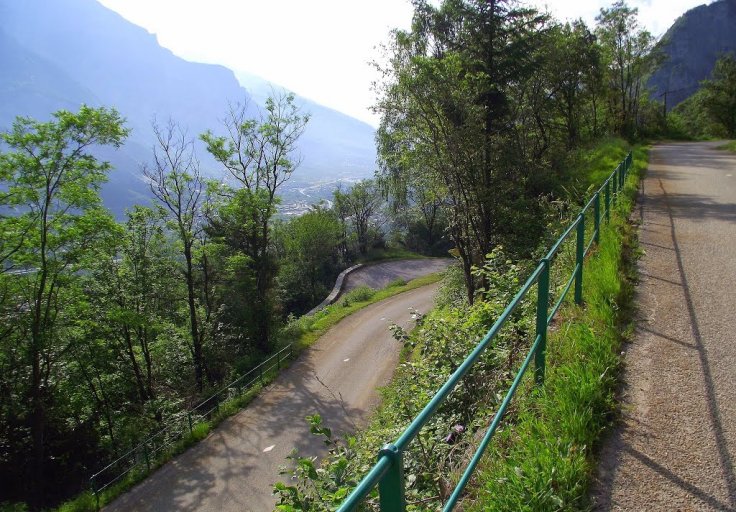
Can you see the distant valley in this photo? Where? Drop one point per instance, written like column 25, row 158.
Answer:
column 58, row 55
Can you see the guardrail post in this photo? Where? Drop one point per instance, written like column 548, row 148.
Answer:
column 579, row 257
column 278, row 360
column 597, row 217
column 615, row 184
column 542, row 307
column 607, row 200
column 93, row 488
column 622, row 175
column 145, row 455
column 391, row 486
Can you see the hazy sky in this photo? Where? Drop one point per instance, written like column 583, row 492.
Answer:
column 320, row 49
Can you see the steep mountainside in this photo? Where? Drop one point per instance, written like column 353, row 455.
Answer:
column 691, row 47
column 63, row 53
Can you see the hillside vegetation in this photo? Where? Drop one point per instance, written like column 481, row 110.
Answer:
column 497, row 121
column 543, row 455
column 62, row 54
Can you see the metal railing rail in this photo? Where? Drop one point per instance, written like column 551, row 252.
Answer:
column 387, row 473
column 144, row 453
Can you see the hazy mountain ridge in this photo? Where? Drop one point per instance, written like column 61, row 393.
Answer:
column 63, row 53
column 691, row 47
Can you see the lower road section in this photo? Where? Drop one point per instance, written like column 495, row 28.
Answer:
column 234, row 469
column 675, row 448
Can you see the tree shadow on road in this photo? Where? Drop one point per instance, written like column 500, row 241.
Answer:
column 240, row 448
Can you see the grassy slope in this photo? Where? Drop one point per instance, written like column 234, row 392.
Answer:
column 731, row 146
column 546, row 460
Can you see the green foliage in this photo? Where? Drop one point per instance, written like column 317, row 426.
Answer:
column 711, row 111
column 13, row 507
column 627, row 51
column 540, row 459
column 452, row 292
column 310, row 492
column 178, row 186
column 719, row 95
column 50, row 180
column 440, row 342
column 731, row 146
column 85, row 502
column 463, row 116
column 396, row 283
column 260, row 155
column 545, row 462
column 359, row 294
column 360, row 208
column 310, row 258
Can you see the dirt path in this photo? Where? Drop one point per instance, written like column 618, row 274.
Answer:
column 381, row 274
column 235, row 467
column 675, row 448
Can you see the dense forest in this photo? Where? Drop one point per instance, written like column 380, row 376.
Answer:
column 110, row 328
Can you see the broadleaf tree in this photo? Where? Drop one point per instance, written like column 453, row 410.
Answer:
column 51, row 181
column 177, row 183
column 260, row 153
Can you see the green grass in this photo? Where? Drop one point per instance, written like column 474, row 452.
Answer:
column 596, row 164
column 731, row 146
column 303, row 332
column 545, row 457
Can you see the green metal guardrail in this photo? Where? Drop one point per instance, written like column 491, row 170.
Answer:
column 388, row 471
column 144, row 453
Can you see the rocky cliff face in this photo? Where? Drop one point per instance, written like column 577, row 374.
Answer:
column 691, row 47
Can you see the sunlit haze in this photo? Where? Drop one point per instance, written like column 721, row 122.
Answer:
column 319, row 49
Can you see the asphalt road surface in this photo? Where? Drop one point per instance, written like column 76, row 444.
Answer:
column 234, row 469
column 676, row 444
column 379, row 275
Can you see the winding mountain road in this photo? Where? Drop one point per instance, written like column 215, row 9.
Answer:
column 379, row 275
column 675, row 447
column 234, row 469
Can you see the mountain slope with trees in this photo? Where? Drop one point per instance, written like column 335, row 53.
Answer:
column 489, row 112
column 60, row 54
column 690, row 49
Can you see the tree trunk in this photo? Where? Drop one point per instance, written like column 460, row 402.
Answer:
column 196, row 341
column 134, row 363
column 38, row 427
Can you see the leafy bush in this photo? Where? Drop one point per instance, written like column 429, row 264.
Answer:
column 359, row 294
